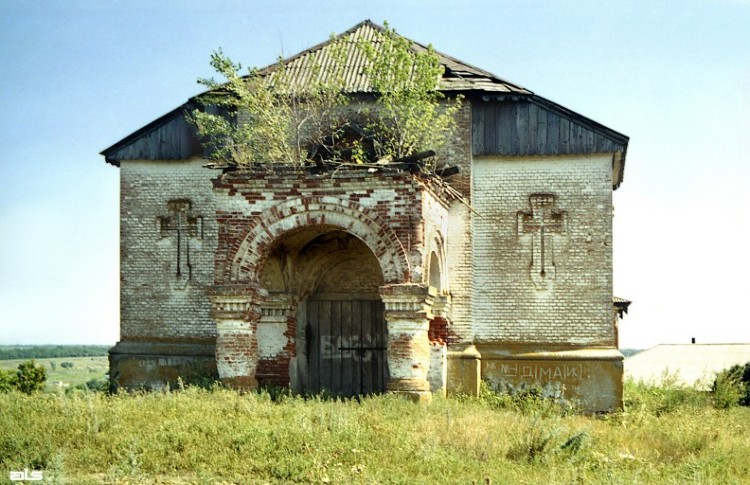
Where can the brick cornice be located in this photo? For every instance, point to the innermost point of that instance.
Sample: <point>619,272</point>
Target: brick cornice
<point>235,302</point>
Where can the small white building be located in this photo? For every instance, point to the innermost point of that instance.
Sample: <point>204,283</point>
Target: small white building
<point>689,364</point>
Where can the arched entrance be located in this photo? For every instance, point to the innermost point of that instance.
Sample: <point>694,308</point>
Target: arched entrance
<point>316,293</point>
<point>340,335</point>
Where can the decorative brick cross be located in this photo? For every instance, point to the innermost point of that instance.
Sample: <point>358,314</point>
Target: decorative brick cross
<point>541,223</point>
<point>183,225</point>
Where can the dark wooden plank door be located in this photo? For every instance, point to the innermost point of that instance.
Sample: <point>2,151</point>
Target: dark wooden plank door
<point>346,346</point>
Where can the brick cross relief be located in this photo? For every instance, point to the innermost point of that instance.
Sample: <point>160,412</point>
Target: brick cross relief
<point>541,223</point>
<point>183,225</point>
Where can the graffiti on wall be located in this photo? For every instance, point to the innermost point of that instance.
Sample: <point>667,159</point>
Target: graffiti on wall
<point>538,372</point>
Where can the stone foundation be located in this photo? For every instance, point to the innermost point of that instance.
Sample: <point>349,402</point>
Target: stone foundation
<point>589,378</point>
<point>156,365</point>
<point>464,371</point>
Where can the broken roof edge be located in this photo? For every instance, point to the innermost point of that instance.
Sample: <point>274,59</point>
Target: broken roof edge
<point>520,89</point>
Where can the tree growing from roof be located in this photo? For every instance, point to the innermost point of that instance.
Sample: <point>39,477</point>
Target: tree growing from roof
<point>275,116</point>
<point>409,116</point>
<point>271,116</point>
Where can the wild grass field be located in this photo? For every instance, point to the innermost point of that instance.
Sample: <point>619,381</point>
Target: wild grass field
<point>670,436</point>
<point>83,370</point>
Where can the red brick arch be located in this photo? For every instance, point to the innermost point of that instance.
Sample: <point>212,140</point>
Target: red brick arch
<point>358,220</point>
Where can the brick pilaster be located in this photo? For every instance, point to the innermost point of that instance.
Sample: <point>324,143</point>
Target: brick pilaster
<point>236,311</point>
<point>408,313</point>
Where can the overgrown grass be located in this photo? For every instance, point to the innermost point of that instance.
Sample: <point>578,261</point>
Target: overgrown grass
<point>222,436</point>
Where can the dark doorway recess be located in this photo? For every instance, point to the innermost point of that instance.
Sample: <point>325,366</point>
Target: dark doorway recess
<point>346,344</point>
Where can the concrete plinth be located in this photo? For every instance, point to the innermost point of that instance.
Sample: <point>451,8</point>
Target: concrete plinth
<point>464,370</point>
<point>158,364</point>
<point>590,378</point>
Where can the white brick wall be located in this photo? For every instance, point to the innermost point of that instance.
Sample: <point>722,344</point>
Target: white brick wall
<point>154,302</point>
<point>576,309</point>
<point>459,262</point>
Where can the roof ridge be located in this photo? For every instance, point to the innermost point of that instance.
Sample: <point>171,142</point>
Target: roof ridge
<point>321,45</point>
<point>415,46</point>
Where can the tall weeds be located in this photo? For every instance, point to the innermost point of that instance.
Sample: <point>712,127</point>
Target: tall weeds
<point>218,435</point>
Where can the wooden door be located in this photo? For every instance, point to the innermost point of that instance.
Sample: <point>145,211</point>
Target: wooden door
<point>346,346</point>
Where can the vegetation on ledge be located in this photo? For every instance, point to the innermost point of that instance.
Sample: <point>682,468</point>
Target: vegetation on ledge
<point>309,116</point>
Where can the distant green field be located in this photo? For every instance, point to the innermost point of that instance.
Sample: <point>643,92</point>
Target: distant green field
<point>84,369</point>
<point>13,352</point>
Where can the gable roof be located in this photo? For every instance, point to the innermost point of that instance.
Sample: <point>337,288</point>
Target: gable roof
<point>172,137</point>
<point>688,363</point>
<point>458,75</point>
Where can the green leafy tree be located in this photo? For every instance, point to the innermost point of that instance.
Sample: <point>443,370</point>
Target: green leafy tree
<point>410,115</point>
<point>30,377</point>
<point>272,115</point>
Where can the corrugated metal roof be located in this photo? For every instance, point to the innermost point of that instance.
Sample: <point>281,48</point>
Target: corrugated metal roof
<point>687,363</point>
<point>319,64</point>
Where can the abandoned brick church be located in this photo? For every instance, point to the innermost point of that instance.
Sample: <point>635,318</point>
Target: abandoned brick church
<point>354,281</point>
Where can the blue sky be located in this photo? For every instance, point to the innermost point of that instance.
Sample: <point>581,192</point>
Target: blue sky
<point>78,76</point>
